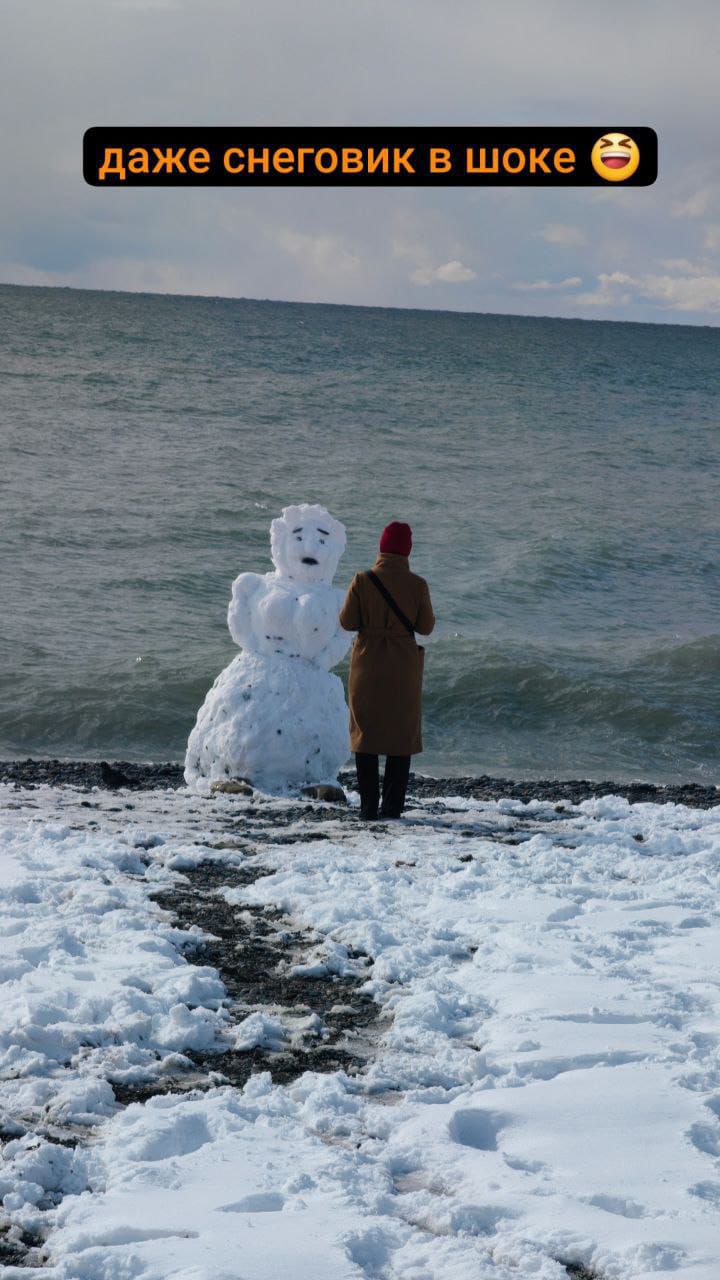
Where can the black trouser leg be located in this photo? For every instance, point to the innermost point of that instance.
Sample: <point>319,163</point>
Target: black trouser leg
<point>368,783</point>
<point>397,771</point>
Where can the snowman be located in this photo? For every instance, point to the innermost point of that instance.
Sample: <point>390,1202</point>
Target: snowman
<point>276,718</point>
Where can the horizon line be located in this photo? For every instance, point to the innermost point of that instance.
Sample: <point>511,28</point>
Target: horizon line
<point>361,306</point>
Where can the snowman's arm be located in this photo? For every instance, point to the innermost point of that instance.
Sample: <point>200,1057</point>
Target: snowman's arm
<point>335,649</point>
<point>350,618</point>
<point>338,644</point>
<point>245,591</point>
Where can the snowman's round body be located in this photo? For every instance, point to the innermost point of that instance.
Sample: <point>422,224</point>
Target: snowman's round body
<point>276,716</point>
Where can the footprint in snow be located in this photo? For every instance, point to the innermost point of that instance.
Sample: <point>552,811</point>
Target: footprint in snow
<point>568,912</point>
<point>116,1236</point>
<point>706,1137</point>
<point>480,1219</point>
<point>477,1128</point>
<point>372,1250</point>
<point>418,1180</point>
<point>709,1191</point>
<point>259,1202</point>
<point>524,1166</point>
<point>187,1134</point>
<point>617,1204</point>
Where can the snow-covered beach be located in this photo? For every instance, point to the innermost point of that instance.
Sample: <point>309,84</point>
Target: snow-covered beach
<point>537,1095</point>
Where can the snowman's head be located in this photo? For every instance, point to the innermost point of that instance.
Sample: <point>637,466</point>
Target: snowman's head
<point>306,543</point>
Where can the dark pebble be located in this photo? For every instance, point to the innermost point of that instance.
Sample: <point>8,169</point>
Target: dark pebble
<point>88,773</point>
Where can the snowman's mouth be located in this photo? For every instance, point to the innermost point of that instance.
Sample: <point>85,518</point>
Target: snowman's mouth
<point>309,560</point>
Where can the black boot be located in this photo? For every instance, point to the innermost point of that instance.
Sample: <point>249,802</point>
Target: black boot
<point>368,785</point>
<point>397,771</point>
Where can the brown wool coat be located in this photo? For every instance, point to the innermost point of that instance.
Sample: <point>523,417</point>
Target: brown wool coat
<point>386,666</point>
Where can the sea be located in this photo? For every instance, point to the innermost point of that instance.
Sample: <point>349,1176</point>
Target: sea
<point>560,477</point>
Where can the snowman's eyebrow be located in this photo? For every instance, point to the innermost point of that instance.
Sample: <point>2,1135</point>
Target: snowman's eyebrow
<point>325,531</point>
<point>298,530</point>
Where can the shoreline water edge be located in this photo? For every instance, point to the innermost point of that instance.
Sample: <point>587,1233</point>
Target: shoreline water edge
<point>87,774</point>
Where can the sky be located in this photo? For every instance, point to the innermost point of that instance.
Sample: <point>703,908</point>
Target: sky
<point>642,254</point>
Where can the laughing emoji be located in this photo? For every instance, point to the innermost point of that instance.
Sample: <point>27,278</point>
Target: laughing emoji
<point>615,157</point>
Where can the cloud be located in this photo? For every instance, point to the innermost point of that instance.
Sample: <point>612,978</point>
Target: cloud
<point>607,293</point>
<point>325,255</point>
<point>684,266</point>
<point>454,272</point>
<point>689,292</point>
<point>130,275</point>
<point>694,207</point>
<point>140,5</point>
<point>571,282</point>
<point>176,61</point>
<point>563,233</point>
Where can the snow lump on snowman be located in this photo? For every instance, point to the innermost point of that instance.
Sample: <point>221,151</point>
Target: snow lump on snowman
<point>276,717</point>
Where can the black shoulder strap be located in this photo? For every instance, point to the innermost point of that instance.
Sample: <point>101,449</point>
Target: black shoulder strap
<point>389,600</point>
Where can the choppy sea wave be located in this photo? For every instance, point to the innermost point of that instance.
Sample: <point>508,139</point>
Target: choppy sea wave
<point>487,710</point>
<point>560,478</point>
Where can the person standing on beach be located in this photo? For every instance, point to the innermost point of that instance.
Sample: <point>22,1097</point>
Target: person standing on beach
<point>386,606</point>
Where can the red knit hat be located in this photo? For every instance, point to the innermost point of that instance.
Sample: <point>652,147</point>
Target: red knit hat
<point>396,538</point>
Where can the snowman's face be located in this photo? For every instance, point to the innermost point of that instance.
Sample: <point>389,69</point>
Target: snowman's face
<point>307,543</point>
